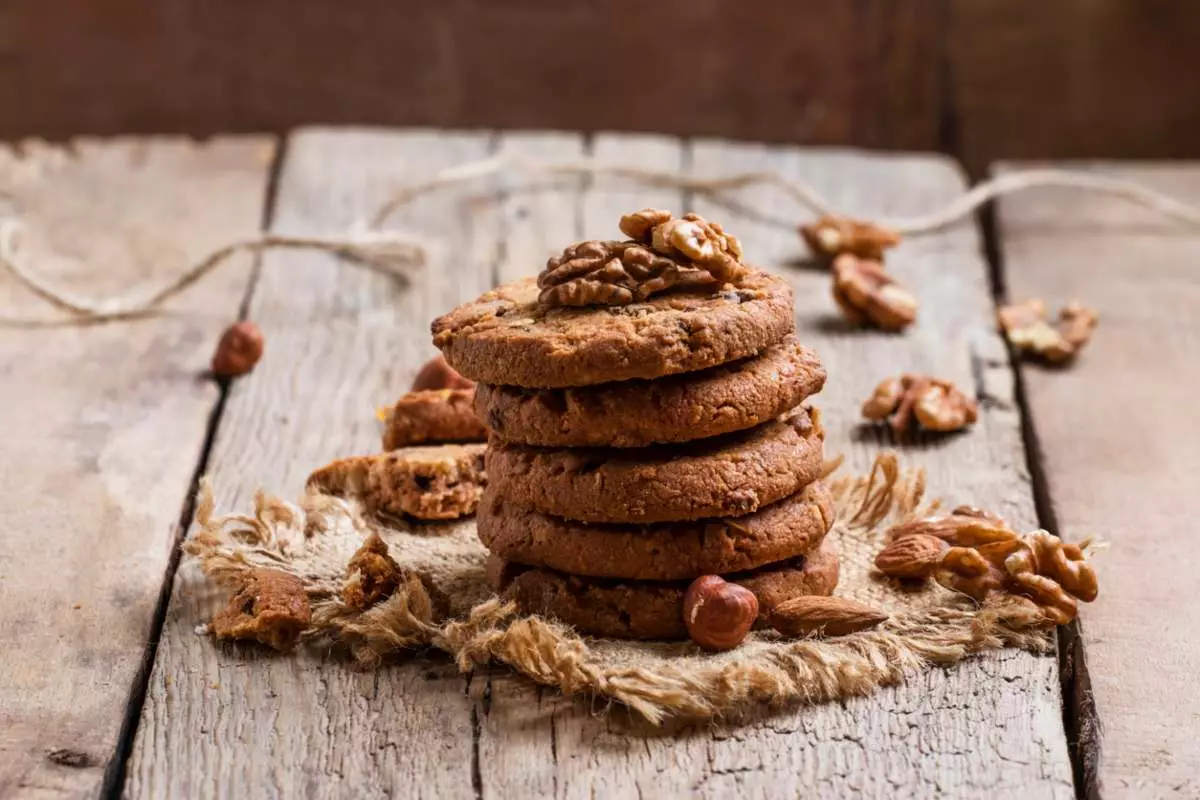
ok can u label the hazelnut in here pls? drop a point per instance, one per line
(240, 348)
(718, 614)
(437, 374)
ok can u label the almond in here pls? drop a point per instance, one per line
(914, 556)
(828, 616)
(962, 530)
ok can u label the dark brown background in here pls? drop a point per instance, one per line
(982, 79)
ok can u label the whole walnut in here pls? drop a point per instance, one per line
(240, 348)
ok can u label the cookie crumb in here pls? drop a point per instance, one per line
(270, 607)
(371, 576)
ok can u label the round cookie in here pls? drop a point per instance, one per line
(504, 337)
(647, 610)
(432, 415)
(727, 476)
(678, 408)
(662, 552)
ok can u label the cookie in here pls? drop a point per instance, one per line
(679, 408)
(726, 476)
(648, 610)
(506, 338)
(661, 552)
(432, 415)
(439, 482)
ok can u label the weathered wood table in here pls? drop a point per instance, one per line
(106, 689)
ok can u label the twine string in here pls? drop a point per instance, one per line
(397, 255)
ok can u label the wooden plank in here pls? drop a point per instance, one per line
(238, 722)
(1116, 434)
(991, 726)
(103, 426)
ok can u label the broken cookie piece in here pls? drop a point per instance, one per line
(270, 607)
(430, 483)
(432, 416)
(371, 576)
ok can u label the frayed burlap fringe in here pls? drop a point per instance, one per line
(446, 605)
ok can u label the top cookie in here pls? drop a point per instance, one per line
(504, 337)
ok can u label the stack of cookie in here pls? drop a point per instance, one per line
(640, 445)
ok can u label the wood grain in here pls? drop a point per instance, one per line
(313, 726)
(237, 721)
(991, 726)
(103, 426)
(925, 738)
(1117, 434)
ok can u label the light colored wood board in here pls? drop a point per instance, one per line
(533, 221)
(103, 428)
(988, 727)
(991, 725)
(238, 722)
(1117, 434)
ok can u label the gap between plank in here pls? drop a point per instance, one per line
(113, 783)
(1081, 721)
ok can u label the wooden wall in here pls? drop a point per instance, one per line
(982, 79)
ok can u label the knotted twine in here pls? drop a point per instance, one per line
(315, 538)
(369, 245)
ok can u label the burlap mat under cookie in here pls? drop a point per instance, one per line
(315, 538)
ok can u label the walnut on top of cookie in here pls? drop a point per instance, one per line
(662, 253)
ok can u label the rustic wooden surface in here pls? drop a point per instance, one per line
(980, 79)
(102, 428)
(340, 341)
(1117, 435)
(236, 720)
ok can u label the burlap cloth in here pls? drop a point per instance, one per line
(315, 537)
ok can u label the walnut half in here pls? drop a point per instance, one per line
(612, 274)
(663, 253)
(867, 294)
(935, 404)
(832, 236)
(1028, 329)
